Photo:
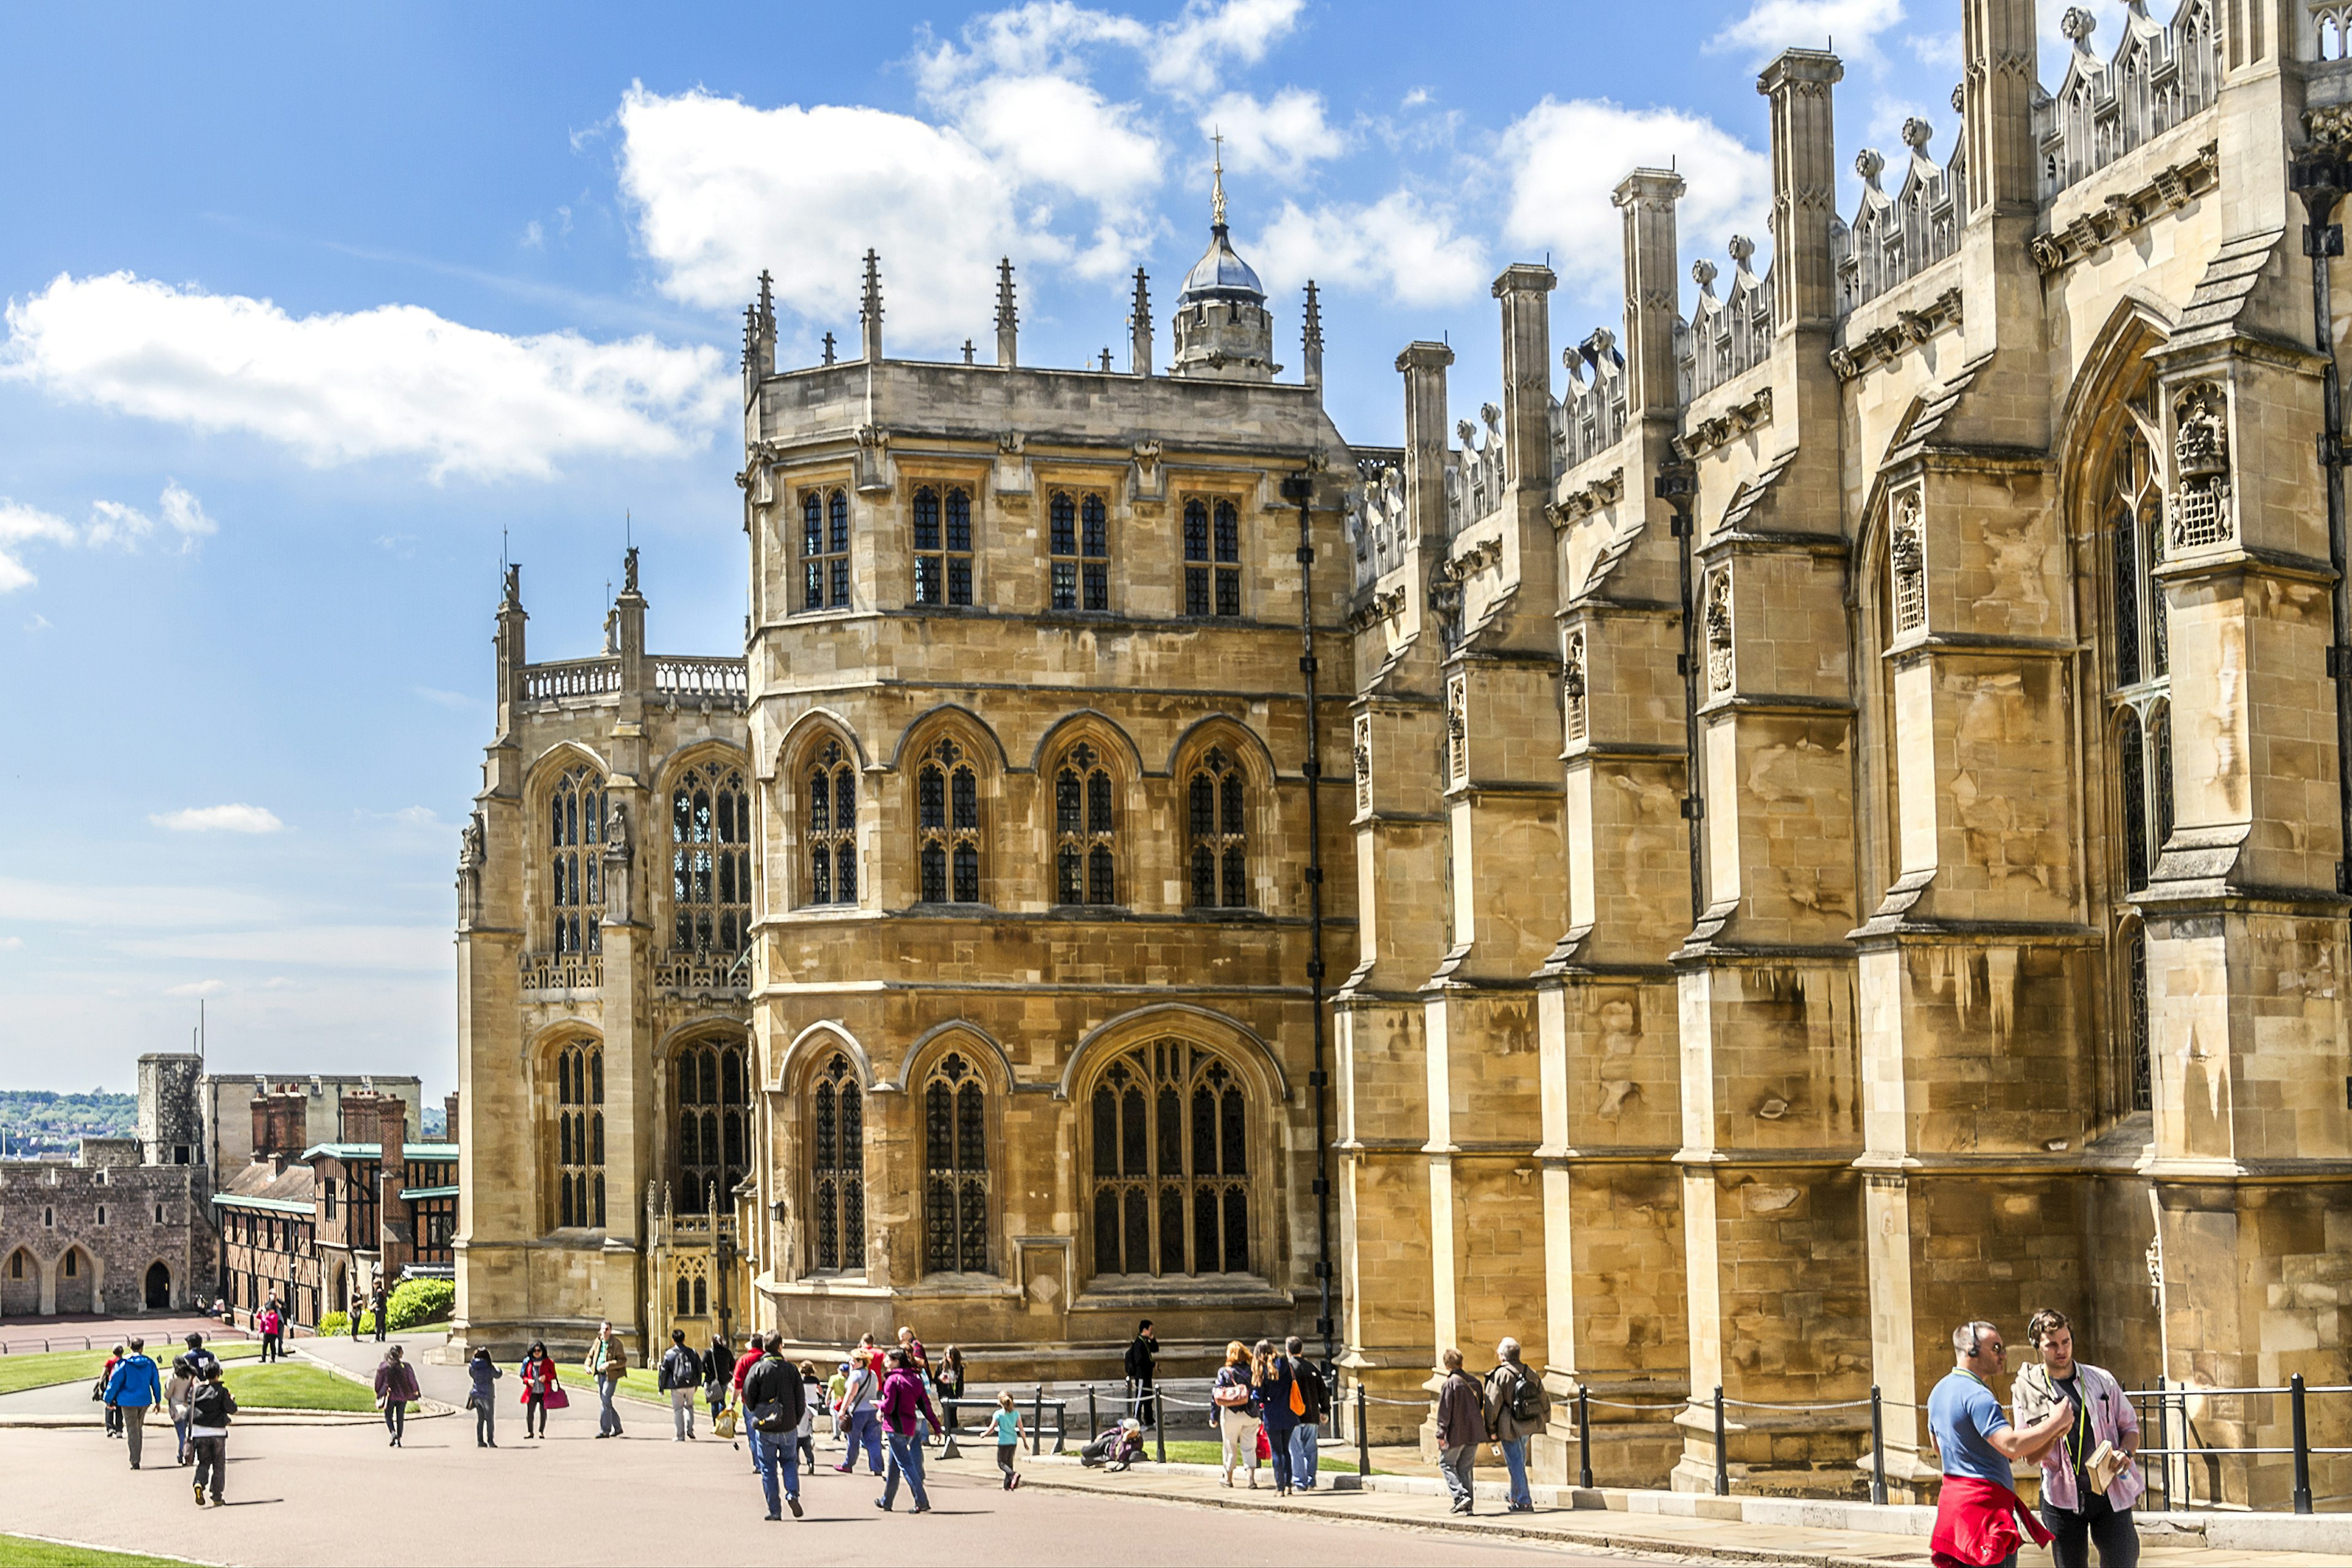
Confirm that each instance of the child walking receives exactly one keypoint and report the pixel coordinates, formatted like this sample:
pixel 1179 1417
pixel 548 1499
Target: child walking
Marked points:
pixel 1007 1422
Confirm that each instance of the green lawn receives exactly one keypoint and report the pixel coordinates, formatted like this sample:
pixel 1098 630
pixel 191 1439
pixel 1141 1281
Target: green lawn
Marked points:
pixel 40 1370
pixel 15 1552
pixel 287 1385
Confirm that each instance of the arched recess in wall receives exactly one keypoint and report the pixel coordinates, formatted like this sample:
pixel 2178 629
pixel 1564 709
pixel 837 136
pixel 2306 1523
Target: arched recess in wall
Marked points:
pixel 569 1109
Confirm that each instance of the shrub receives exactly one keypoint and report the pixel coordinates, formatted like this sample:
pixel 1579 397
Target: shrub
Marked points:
pixel 418 1301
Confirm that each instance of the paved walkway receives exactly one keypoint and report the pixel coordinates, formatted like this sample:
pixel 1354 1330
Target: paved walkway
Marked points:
pixel 303 1495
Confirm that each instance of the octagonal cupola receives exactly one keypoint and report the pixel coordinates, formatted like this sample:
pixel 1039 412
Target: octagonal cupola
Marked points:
pixel 1224 331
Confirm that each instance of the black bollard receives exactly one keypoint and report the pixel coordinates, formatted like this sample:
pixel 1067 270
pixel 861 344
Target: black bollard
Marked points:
pixel 1584 1438
pixel 1722 1455
pixel 1363 1436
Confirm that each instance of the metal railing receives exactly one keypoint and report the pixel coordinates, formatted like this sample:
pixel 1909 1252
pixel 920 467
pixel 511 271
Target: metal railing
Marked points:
pixel 2171 1403
pixel 56 1342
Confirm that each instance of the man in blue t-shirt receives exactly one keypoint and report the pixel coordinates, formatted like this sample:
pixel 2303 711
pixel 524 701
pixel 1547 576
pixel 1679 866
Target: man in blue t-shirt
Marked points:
pixel 1979 1446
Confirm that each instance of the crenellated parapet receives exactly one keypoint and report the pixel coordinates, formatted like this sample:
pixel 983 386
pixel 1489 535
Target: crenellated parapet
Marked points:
pixel 2161 75
pixel 1892 238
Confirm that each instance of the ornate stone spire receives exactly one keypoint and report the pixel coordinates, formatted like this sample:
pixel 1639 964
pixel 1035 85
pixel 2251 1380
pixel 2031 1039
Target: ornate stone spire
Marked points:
pixel 1139 327
pixel 869 310
pixel 1311 337
pixel 1217 189
pixel 1008 319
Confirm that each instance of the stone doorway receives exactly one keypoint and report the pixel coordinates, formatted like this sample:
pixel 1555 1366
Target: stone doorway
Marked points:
pixel 74 1278
pixel 159 1287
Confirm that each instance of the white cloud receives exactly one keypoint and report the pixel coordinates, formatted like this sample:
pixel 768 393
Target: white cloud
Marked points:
pixel 1395 245
pixel 1191 52
pixel 198 988
pixel 533 236
pixel 219 819
pixel 185 515
pixel 394 381
pixel 1565 160
pixel 1049 130
pixel 113 523
pixel 11 944
pixel 723 189
pixel 22 524
pixel 1281 136
pixel 1771 25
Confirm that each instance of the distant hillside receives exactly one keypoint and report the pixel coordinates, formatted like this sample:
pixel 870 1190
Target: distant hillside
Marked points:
pixel 38 1122
pixel 435 1121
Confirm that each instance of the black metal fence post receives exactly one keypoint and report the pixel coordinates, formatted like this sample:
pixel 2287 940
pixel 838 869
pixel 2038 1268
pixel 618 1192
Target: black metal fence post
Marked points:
pixel 2164 1444
pixel 1584 1437
pixel 1363 1436
pixel 1037 1423
pixel 1160 1420
pixel 1877 1448
pixel 1090 1413
pixel 948 1449
pixel 2302 1444
pixel 1722 1456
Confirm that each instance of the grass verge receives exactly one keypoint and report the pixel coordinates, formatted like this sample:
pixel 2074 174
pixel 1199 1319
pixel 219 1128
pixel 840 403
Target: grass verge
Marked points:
pixel 17 1551
pixel 284 1385
pixel 42 1368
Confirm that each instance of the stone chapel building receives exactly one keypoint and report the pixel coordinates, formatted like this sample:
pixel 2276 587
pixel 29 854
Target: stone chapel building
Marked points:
pixel 1848 824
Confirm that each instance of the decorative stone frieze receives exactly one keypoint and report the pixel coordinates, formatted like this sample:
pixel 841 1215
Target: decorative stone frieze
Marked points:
pixel 1577 722
pixel 1719 630
pixel 2172 187
pixel 1889 343
pixel 1727 427
pixel 1906 560
pixel 2200 452
pixel 1583 501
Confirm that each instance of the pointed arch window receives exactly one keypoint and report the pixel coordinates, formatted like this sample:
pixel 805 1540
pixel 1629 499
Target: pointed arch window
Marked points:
pixel 1085 830
pixel 713 1124
pixel 710 861
pixel 580 1135
pixel 2139 696
pixel 1078 544
pixel 830 826
pixel 825 549
pixel 955 1169
pixel 1169 1169
pixel 575 833
pixel 947 825
pixel 1212 556
pixel 942 545
pixel 2142 653
pixel 1218 812
pixel 837 1170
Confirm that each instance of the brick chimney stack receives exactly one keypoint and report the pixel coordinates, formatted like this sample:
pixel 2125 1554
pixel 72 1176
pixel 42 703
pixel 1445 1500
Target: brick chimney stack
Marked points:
pixel 449 1117
pixel 396 1246
pixel 359 1119
pixel 280 1120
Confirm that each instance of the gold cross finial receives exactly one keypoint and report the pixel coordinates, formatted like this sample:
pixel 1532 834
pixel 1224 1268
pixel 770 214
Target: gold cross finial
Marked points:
pixel 1217 197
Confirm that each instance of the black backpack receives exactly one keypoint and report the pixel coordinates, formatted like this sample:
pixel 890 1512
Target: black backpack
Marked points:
pixel 1526 1399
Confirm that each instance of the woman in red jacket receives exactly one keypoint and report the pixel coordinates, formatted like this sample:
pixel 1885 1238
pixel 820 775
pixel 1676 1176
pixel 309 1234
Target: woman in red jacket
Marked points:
pixel 541 1391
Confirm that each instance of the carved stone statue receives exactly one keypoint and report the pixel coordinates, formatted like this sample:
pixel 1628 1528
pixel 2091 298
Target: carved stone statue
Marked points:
pixel 616 829
pixel 629 570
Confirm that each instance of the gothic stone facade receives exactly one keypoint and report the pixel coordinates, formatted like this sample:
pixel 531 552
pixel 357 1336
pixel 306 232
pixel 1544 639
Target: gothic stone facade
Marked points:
pixel 1883 866
pixel 1846 811
pixel 122 1228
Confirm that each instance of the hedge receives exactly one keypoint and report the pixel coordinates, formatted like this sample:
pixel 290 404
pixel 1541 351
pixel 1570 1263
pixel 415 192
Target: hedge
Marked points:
pixel 413 1303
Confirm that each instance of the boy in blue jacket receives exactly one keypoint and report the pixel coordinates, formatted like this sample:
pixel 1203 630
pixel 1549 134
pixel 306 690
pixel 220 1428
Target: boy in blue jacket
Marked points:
pixel 135 1386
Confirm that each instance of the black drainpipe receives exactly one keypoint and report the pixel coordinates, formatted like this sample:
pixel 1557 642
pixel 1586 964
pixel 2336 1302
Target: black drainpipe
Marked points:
pixel 2318 175
pixel 1677 485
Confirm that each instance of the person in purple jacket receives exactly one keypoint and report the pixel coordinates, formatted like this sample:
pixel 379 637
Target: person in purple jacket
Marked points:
pixel 904 1406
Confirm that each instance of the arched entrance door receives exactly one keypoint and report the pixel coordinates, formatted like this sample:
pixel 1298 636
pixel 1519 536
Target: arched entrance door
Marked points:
pixel 159 1287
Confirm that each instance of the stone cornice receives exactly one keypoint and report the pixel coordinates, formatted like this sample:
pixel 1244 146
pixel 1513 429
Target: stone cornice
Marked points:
pixel 1724 428
pixel 2169 189
pixel 1606 491
pixel 1889 343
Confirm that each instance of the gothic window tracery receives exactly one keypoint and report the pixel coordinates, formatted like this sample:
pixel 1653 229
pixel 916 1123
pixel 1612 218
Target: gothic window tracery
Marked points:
pixel 1213 556
pixel 1079 549
pixel 575 861
pixel 947 825
pixel 1169 1173
pixel 825 549
pixel 1217 815
pixel 942 545
pixel 710 861
pixel 838 1169
pixel 580 1135
pixel 829 833
pixel 1084 829
pixel 2138 700
pixel 955 1169
pixel 713 1124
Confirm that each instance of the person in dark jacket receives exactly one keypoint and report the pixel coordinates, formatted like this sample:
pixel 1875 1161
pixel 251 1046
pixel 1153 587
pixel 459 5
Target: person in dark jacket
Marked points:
pixel 773 1402
pixel 1142 1354
pixel 679 1375
pixel 377 1302
pixel 484 1397
pixel 718 1372
pixel 1461 1427
pixel 209 1408
pixel 1279 1412
pixel 1517 1408
pixel 396 1391
pixel 1315 1403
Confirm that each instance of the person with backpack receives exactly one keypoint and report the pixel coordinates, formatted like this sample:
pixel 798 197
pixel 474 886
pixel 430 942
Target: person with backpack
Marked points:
pixel 718 1364
pixel 1142 1354
pixel 680 1376
pixel 97 1390
pixel 133 1388
pixel 774 1403
pixel 1461 1427
pixel 858 1400
pixel 209 1408
pixel 1235 1393
pixel 187 1375
pixel 483 1399
pixel 1310 1402
pixel 1279 1401
pixel 396 1391
pixel 1517 1408
pixel 812 1395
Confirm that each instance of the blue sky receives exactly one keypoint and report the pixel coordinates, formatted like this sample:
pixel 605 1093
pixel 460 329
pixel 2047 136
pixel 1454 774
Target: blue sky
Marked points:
pixel 308 307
